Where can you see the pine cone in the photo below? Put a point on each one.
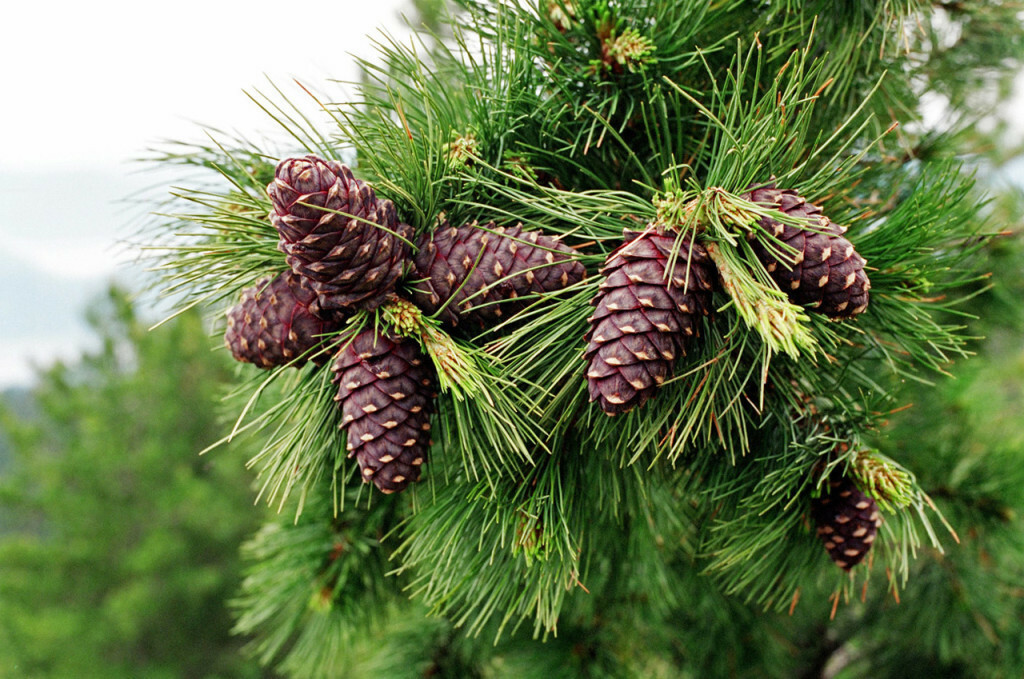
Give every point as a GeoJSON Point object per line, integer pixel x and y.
{"type": "Point", "coordinates": [847, 521]}
{"type": "Point", "coordinates": [386, 396]}
{"type": "Point", "coordinates": [485, 270]}
{"type": "Point", "coordinates": [827, 274]}
{"type": "Point", "coordinates": [644, 317]}
{"type": "Point", "coordinates": [351, 261]}
{"type": "Point", "coordinates": [273, 324]}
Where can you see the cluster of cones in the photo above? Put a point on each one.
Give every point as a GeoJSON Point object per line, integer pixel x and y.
{"type": "Point", "coordinates": [348, 251]}
{"type": "Point", "coordinates": [656, 290]}
{"type": "Point", "coordinates": [658, 286]}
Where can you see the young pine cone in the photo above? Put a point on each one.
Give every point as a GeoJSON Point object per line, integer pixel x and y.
{"type": "Point", "coordinates": [480, 274]}
{"type": "Point", "coordinates": [273, 324]}
{"type": "Point", "coordinates": [826, 273]}
{"type": "Point", "coordinates": [645, 315]}
{"type": "Point", "coordinates": [846, 521]}
{"type": "Point", "coordinates": [353, 260]}
{"type": "Point", "coordinates": [386, 396]}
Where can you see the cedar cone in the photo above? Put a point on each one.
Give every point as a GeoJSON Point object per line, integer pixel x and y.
{"type": "Point", "coordinates": [644, 317]}
{"type": "Point", "coordinates": [826, 273]}
{"type": "Point", "coordinates": [273, 324]}
{"type": "Point", "coordinates": [353, 259]}
{"type": "Point", "coordinates": [386, 396]}
{"type": "Point", "coordinates": [847, 521]}
{"type": "Point", "coordinates": [485, 271]}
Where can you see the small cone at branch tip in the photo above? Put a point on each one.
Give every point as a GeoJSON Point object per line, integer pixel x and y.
{"type": "Point", "coordinates": [274, 325]}
{"type": "Point", "coordinates": [846, 520]}
{"type": "Point", "coordinates": [884, 480]}
{"type": "Point", "coordinates": [481, 275]}
{"type": "Point", "coordinates": [644, 317]}
{"type": "Point", "coordinates": [406, 319]}
{"type": "Point", "coordinates": [386, 396]}
{"type": "Point", "coordinates": [353, 260]}
{"type": "Point", "coordinates": [562, 14]}
{"type": "Point", "coordinates": [823, 271]}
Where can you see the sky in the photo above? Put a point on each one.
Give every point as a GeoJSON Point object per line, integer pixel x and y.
{"type": "Point", "coordinates": [88, 88]}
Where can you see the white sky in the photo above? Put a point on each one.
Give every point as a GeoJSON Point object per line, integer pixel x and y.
{"type": "Point", "coordinates": [96, 82]}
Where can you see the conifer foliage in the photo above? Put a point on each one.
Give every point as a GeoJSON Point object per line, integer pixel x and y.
{"type": "Point", "coordinates": [562, 210]}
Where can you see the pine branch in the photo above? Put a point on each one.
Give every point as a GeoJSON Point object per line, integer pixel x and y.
{"type": "Point", "coordinates": [591, 121]}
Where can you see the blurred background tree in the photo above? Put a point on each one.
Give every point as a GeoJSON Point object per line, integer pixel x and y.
{"type": "Point", "coordinates": [118, 542]}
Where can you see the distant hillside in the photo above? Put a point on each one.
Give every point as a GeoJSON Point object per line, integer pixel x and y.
{"type": "Point", "coordinates": [18, 401]}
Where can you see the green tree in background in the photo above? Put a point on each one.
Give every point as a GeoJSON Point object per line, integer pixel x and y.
{"type": "Point", "coordinates": [120, 543]}
{"type": "Point", "coordinates": [965, 435]}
